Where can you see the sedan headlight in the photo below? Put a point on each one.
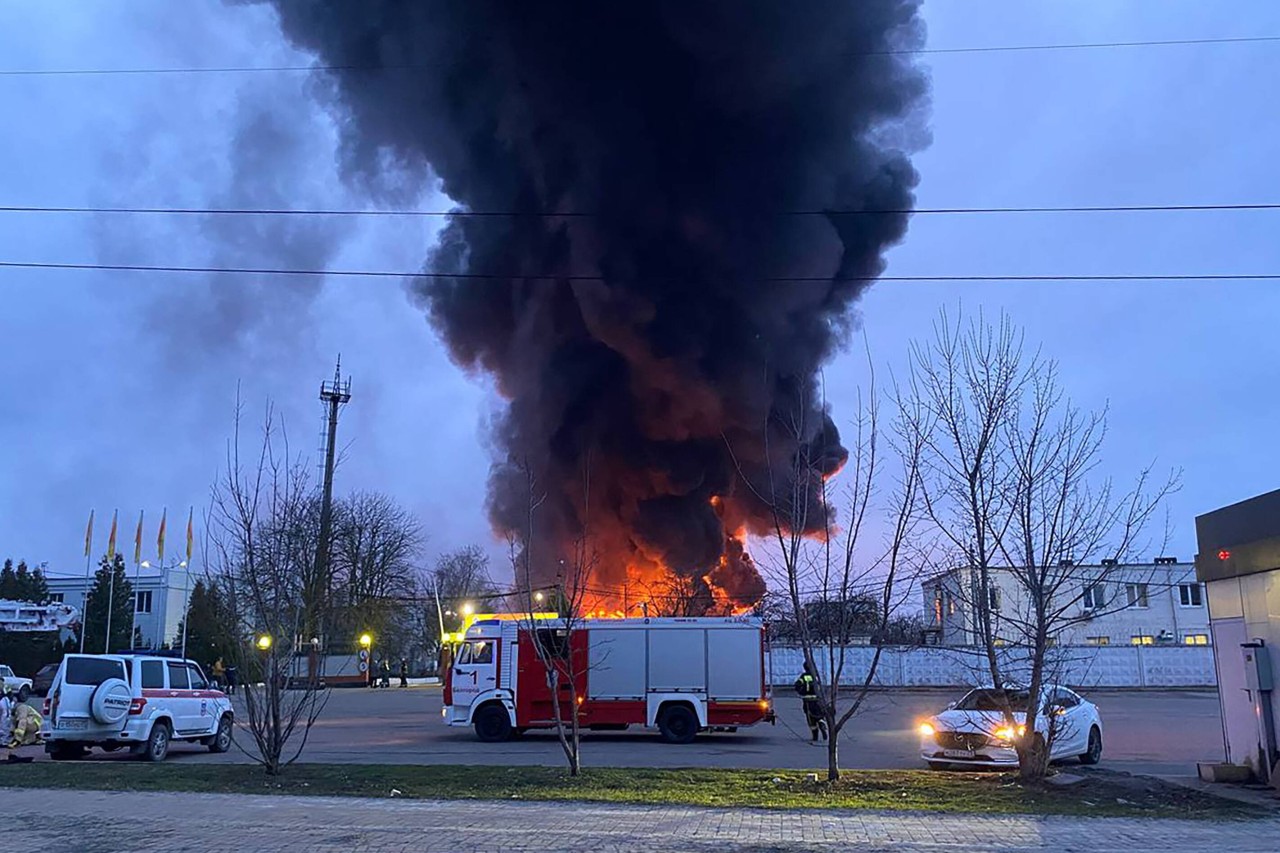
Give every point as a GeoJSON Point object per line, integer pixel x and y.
{"type": "Point", "coordinates": [927, 730]}
{"type": "Point", "coordinates": [1009, 733]}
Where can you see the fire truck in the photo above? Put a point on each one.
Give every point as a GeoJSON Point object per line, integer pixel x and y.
{"type": "Point", "coordinates": [679, 675]}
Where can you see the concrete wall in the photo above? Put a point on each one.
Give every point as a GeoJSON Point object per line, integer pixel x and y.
{"type": "Point", "coordinates": [1076, 666]}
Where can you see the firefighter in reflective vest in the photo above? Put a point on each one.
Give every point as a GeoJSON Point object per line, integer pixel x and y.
{"type": "Point", "coordinates": [25, 729]}
{"type": "Point", "coordinates": [807, 687]}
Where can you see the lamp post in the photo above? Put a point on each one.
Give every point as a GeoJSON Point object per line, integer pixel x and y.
{"type": "Point", "coordinates": [366, 652]}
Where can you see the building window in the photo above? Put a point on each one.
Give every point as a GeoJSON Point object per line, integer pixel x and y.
{"type": "Point", "coordinates": [1196, 639]}
{"type": "Point", "coordinates": [55, 598]}
{"type": "Point", "coordinates": [143, 603]}
{"type": "Point", "coordinates": [993, 598]}
{"type": "Point", "coordinates": [1189, 594]}
{"type": "Point", "coordinates": [1095, 596]}
{"type": "Point", "coordinates": [1097, 641]}
{"type": "Point", "coordinates": [951, 605]}
{"type": "Point", "coordinates": [1142, 640]}
{"type": "Point", "coordinates": [1137, 594]}
{"type": "Point", "coordinates": [937, 607]}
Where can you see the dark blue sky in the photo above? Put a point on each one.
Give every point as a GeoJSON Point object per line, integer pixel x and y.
{"type": "Point", "coordinates": [119, 387]}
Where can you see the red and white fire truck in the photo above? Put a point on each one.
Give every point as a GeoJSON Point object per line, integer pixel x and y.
{"type": "Point", "coordinates": [680, 675]}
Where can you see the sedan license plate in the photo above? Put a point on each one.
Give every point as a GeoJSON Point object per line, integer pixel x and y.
{"type": "Point", "coordinates": [958, 753]}
{"type": "Point", "coordinates": [74, 723]}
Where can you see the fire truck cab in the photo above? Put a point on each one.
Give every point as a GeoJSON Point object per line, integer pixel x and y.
{"type": "Point", "coordinates": [679, 675]}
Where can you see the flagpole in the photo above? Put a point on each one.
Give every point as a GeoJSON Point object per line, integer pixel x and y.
{"type": "Point", "coordinates": [84, 611]}
{"type": "Point", "coordinates": [111, 586]}
{"type": "Point", "coordinates": [137, 577]}
{"type": "Point", "coordinates": [186, 595]}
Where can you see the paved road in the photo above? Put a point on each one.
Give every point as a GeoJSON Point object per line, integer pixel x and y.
{"type": "Point", "coordinates": [1155, 733]}
{"type": "Point", "coordinates": [98, 822]}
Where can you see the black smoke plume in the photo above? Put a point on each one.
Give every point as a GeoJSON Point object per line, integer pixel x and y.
{"type": "Point", "coordinates": [649, 341]}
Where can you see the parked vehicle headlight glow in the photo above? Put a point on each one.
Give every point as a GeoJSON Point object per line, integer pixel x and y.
{"type": "Point", "coordinates": [1008, 733]}
{"type": "Point", "coordinates": [927, 729]}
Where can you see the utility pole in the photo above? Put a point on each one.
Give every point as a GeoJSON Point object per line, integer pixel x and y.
{"type": "Point", "coordinates": [334, 395]}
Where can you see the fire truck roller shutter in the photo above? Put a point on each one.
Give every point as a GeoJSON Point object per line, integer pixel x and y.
{"type": "Point", "coordinates": [678, 660]}
{"type": "Point", "coordinates": [735, 670]}
{"type": "Point", "coordinates": [616, 664]}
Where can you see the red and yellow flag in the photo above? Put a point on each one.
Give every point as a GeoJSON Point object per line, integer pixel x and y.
{"type": "Point", "coordinates": [164, 516]}
{"type": "Point", "coordinates": [137, 540]}
{"type": "Point", "coordinates": [88, 535]}
{"type": "Point", "coordinates": [111, 541]}
{"type": "Point", "coordinates": [191, 536]}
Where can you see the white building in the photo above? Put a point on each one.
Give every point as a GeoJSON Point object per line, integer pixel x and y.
{"type": "Point", "coordinates": [1239, 561]}
{"type": "Point", "coordinates": [1160, 603]}
{"type": "Point", "coordinates": [159, 600]}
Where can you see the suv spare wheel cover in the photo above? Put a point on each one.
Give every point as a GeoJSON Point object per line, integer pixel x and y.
{"type": "Point", "coordinates": [111, 701]}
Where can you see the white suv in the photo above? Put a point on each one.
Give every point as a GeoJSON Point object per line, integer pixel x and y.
{"type": "Point", "coordinates": [136, 701]}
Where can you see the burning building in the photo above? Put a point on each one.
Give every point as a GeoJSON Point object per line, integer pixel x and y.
{"type": "Point", "coordinates": [666, 211]}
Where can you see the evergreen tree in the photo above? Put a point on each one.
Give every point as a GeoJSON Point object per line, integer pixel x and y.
{"type": "Point", "coordinates": [30, 585]}
{"type": "Point", "coordinates": [8, 581]}
{"type": "Point", "coordinates": [209, 626]}
{"type": "Point", "coordinates": [95, 608]}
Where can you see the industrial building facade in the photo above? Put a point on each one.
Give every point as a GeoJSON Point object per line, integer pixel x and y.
{"type": "Point", "coordinates": [1158, 603]}
{"type": "Point", "coordinates": [159, 600]}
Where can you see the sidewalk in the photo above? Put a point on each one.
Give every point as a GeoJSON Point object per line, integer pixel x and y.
{"type": "Point", "coordinates": [178, 823]}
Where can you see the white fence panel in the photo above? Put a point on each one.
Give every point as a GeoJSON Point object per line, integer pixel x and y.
{"type": "Point", "coordinates": [1079, 666]}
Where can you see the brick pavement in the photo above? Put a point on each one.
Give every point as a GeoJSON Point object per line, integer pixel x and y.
{"type": "Point", "coordinates": [102, 822]}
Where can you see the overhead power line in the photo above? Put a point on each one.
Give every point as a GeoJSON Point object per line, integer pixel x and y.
{"type": "Point", "coordinates": [787, 279]}
{"type": "Point", "coordinates": [579, 214]}
{"type": "Point", "coordinates": [421, 66]}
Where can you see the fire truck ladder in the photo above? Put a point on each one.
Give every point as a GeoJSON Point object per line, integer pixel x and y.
{"type": "Point", "coordinates": [25, 617]}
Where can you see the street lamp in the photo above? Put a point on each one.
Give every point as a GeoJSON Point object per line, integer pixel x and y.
{"type": "Point", "coordinates": [263, 642]}
{"type": "Point", "coordinates": [467, 609]}
{"type": "Point", "coordinates": [538, 597]}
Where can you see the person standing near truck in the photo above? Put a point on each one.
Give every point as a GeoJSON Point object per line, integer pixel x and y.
{"type": "Point", "coordinates": [807, 687]}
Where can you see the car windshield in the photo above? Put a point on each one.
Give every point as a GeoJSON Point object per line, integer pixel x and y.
{"type": "Point", "coordinates": [989, 699]}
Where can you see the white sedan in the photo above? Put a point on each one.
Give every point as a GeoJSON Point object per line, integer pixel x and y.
{"type": "Point", "coordinates": [18, 686]}
{"type": "Point", "coordinates": [974, 731]}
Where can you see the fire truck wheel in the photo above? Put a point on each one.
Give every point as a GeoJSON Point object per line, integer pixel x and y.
{"type": "Point", "coordinates": [493, 724]}
{"type": "Point", "coordinates": [678, 724]}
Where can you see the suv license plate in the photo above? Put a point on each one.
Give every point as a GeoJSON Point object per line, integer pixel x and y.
{"type": "Point", "coordinates": [958, 753]}
{"type": "Point", "coordinates": [75, 723]}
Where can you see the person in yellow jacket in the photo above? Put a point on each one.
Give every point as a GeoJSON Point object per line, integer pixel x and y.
{"type": "Point", "coordinates": [25, 731]}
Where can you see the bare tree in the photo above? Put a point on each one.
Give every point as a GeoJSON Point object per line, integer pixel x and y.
{"type": "Point", "coordinates": [565, 667]}
{"type": "Point", "coordinates": [837, 583]}
{"type": "Point", "coordinates": [375, 547]}
{"type": "Point", "coordinates": [262, 543]}
{"type": "Point", "coordinates": [1011, 483]}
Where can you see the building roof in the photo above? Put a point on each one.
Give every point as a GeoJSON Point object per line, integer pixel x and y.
{"type": "Point", "coordinates": [1165, 563]}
